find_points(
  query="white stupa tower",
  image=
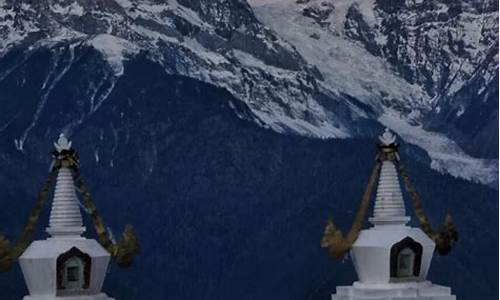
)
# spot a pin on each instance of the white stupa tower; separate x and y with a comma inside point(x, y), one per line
point(65, 266)
point(391, 258)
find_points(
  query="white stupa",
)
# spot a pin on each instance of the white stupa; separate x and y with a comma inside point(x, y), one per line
point(65, 265)
point(392, 259)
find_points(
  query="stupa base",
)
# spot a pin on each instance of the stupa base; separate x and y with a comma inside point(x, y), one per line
point(394, 291)
point(100, 296)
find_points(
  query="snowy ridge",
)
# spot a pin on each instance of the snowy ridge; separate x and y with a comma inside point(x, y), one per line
point(124, 28)
point(346, 66)
point(317, 28)
point(325, 71)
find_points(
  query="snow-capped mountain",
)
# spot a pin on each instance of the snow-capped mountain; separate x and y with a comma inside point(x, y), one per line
point(325, 69)
point(448, 48)
point(166, 103)
point(219, 42)
point(428, 68)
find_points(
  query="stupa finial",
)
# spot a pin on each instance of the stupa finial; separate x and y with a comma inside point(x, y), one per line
point(387, 138)
point(62, 143)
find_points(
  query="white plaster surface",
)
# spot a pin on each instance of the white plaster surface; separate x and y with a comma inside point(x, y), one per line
point(389, 205)
point(100, 296)
point(65, 217)
point(423, 290)
point(371, 251)
point(39, 262)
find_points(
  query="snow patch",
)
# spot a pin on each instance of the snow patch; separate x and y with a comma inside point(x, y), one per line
point(346, 66)
point(114, 50)
point(124, 3)
point(446, 155)
point(73, 9)
point(349, 68)
point(96, 156)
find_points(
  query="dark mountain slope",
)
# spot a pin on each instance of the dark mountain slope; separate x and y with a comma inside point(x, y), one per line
point(224, 208)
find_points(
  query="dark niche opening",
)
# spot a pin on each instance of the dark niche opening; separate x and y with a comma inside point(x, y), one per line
point(73, 271)
point(406, 258)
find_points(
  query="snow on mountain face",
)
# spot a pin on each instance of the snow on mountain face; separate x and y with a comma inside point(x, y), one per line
point(435, 43)
point(449, 48)
point(219, 42)
point(407, 63)
point(330, 83)
point(346, 68)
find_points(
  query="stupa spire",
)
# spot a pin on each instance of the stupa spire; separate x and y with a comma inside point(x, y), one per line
point(389, 206)
point(65, 217)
